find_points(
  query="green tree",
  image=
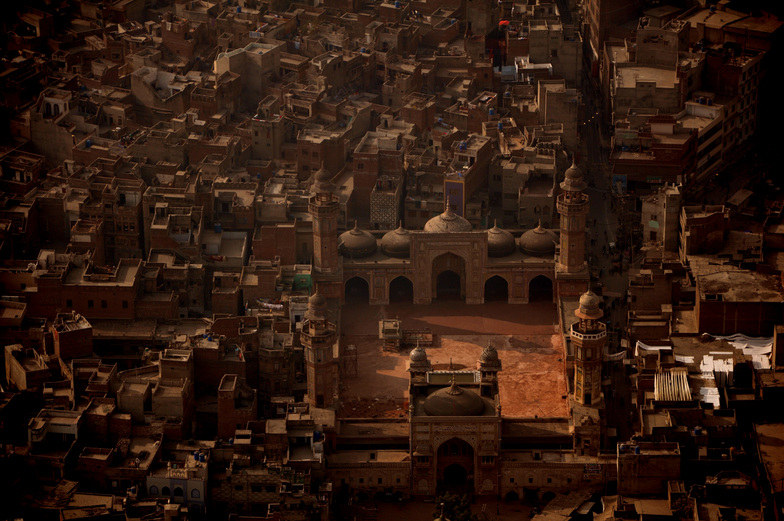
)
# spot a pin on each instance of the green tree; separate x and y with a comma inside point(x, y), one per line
point(454, 508)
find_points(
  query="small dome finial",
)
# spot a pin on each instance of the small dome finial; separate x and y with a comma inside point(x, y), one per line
point(454, 390)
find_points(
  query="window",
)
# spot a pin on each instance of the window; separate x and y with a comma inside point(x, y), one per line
point(530, 480)
point(255, 488)
point(511, 480)
point(153, 490)
point(90, 304)
point(165, 491)
point(125, 304)
point(361, 480)
point(379, 481)
point(178, 491)
point(238, 488)
point(69, 303)
point(104, 304)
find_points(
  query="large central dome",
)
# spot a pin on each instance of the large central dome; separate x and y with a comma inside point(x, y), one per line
point(454, 401)
point(448, 221)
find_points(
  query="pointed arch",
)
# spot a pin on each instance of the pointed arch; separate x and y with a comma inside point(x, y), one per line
point(540, 289)
point(449, 274)
point(496, 289)
point(357, 290)
point(401, 290)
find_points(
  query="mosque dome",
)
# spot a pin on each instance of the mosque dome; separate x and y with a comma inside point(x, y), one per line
point(448, 221)
point(322, 181)
point(538, 242)
point(573, 179)
point(317, 300)
point(317, 305)
point(500, 243)
point(356, 243)
point(489, 355)
point(396, 243)
point(589, 306)
point(454, 401)
point(418, 354)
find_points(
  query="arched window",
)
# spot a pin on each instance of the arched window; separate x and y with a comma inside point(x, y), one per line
point(165, 491)
point(195, 493)
point(56, 109)
point(178, 491)
point(153, 490)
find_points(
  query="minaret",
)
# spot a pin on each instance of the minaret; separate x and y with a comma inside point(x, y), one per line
point(318, 338)
point(489, 365)
point(589, 336)
point(324, 208)
point(571, 269)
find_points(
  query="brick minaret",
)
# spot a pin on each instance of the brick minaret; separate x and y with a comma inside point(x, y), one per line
point(318, 338)
point(589, 336)
point(571, 270)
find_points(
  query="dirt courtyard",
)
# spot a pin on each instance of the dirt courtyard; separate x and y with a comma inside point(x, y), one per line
point(532, 381)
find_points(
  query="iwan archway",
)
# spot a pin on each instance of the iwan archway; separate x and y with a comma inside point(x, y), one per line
point(448, 276)
point(456, 467)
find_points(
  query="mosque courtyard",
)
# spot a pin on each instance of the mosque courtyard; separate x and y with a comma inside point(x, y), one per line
point(526, 336)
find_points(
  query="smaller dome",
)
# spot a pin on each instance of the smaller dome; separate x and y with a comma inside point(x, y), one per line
point(589, 306)
point(448, 221)
point(322, 181)
point(573, 179)
point(317, 299)
point(489, 355)
point(538, 242)
point(317, 306)
point(396, 243)
point(356, 243)
point(574, 172)
point(500, 243)
point(418, 354)
point(454, 401)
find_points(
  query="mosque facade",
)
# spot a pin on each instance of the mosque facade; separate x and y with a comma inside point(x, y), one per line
point(450, 259)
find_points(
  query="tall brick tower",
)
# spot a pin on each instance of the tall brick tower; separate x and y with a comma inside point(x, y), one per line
point(571, 271)
point(589, 336)
point(318, 338)
point(324, 208)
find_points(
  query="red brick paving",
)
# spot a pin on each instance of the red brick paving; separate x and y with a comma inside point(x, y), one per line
point(532, 382)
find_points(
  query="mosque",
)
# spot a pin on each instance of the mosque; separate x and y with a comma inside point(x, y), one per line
point(451, 438)
point(448, 259)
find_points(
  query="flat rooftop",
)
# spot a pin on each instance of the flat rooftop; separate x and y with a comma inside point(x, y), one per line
point(770, 440)
point(629, 76)
point(532, 382)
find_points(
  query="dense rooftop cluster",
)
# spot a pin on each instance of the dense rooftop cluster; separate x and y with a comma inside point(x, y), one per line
point(204, 207)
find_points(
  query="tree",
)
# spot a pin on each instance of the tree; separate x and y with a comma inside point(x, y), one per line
point(454, 508)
